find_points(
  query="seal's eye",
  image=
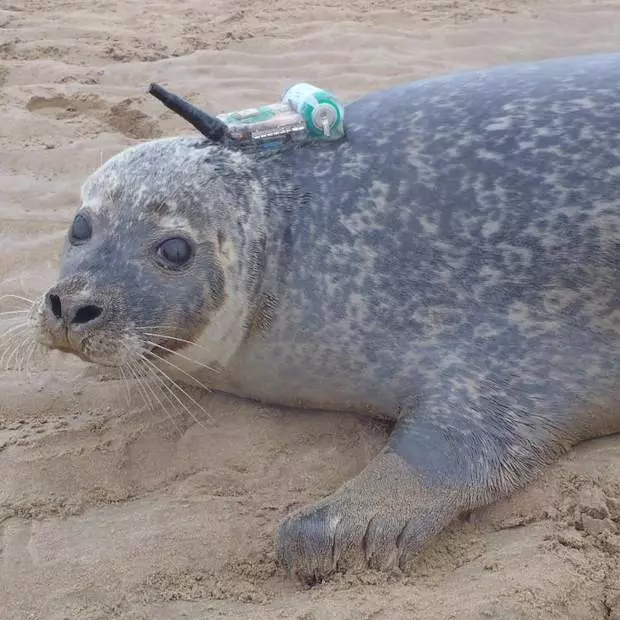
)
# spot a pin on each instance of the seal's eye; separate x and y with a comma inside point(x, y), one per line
point(81, 230)
point(174, 252)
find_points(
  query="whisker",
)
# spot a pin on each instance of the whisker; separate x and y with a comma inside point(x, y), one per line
point(134, 367)
point(147, 373)
point(178, 387)
point(165, 328)
point(185, 357)
point(20, 351)
point(23, 352)
point(161, 404)
point(145, 397)
point(162, 326)
point(187, 374)
point(19, 358)
point(162, 385)
point(14, 312)
point(126, 386)
point(195, 344)
point(18, 297)
point(12, 329)
point(33, 351)
point(13, 354)
point(8, 344)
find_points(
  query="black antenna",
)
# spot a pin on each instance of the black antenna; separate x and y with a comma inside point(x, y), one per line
point(209, 126)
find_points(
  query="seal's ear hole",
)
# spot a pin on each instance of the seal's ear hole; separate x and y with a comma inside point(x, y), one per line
point(224, 247)
point(221, 240)
point(161, 208)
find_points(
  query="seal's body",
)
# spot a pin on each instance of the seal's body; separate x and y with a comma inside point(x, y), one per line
point(453, 265)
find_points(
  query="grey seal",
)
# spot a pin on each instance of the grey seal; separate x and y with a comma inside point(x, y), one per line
point(453, 265)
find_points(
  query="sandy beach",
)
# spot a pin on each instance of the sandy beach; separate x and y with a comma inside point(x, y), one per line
point(109, 509)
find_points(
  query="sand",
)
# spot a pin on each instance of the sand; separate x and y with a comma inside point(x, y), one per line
point(108, 509)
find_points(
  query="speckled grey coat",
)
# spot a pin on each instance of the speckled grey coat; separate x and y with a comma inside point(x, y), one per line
point(454, 265)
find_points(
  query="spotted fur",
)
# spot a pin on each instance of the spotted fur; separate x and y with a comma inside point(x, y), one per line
point(454, 264)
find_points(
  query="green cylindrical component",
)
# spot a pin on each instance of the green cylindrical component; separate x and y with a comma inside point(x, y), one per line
point(321, 110)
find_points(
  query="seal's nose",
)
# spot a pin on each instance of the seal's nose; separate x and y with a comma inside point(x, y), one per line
point(72, 313)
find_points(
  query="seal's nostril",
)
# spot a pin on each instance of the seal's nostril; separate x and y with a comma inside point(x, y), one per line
point(55, 305)
point(86, 314)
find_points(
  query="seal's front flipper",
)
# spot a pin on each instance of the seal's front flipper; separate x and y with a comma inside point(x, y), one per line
point(461, 449)
point(377, 519)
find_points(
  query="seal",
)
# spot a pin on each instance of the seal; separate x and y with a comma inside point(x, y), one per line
point(453, 265)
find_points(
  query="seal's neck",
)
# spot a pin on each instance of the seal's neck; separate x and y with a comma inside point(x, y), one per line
point(244, 242)
point(271, 252)
point(257, 203)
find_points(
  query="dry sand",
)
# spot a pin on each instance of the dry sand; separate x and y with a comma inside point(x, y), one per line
point(109, 510)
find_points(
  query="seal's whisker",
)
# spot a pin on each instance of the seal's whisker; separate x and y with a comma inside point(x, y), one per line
point(20, 354)
point(125, 385)
point(185, 357)
point(13, 355)
point(33, 351)
point(131, 367)
point(161, 372)
point(165, 390)
point(173, 384)
point(162, 326)
point(154, 394)
point(139, 373)
point(9, 312)
point(5, 348)
point(10, 338)
point(187, 374)
point(9, 353)
point(13, 329)
point(24, 355)
point(140, 380)
point(11, 334)
point(194, 344)
point(17, 297)
point(161, 330)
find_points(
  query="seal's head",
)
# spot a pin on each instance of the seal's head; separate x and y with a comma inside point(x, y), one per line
point(157, 256)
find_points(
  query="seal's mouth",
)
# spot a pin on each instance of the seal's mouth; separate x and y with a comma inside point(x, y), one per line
point(69, 350)
point(97, 328)
point(79, 350)
point(158, 360)
point(108, 347)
